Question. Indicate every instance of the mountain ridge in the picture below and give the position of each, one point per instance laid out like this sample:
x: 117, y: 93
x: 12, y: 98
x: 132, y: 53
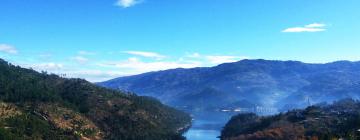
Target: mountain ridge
x: 267, y: 82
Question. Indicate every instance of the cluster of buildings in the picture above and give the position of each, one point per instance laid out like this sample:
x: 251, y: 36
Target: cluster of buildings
x: 255, y: 109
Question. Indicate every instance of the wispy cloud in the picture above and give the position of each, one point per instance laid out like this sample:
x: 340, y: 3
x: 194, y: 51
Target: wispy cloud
x: 127, y: 3
x: 218, y: 59
x: 213, y: 59
x: 314, y: 27
x: 136, y: 66
x: 69, y: 71
x: 51, y: 66
x: 93, y: 75
x: 145, y: 54
x: 8, y: 49
x: 138, y: 62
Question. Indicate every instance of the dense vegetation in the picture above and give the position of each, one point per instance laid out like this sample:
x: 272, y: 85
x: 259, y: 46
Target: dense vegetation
x: 45, y: 106
x: 340, y: 120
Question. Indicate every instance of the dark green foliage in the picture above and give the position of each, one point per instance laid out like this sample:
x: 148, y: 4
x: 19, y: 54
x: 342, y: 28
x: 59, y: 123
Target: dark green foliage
x: 339, y: 120
x: 26, y: 127
x: 163, y: 123
x: 118, y: 115
x: 247, y: 124
x: 246, y: 121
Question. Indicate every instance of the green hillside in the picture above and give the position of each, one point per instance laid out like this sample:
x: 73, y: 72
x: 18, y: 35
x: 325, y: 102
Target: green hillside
x: 45, y: 106
x: 340, y: 120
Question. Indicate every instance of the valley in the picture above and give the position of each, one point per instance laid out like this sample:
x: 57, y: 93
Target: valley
x: 77, y: 109
x: 179, y: 70
x: 213, y: 95
x: 274, y: 85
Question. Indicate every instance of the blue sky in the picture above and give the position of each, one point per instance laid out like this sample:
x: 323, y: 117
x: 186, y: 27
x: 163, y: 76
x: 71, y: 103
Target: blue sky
x: 103, y: 39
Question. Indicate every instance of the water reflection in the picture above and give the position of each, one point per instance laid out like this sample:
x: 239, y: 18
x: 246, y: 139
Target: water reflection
x: 207, y: 125
x: 196, y: 134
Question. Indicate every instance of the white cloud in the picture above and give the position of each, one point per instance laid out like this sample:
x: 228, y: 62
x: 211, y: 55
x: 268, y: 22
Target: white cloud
x: 211, y: 60
x: 218, y: 59
x: 146, y: 54
x: 127, y: 3
x: 93, y: 75
x: 80, y: 59
x: 314, y: 27
x: 8, y: 49
x: 303, y: 29
x: 101, y: 70
x: 136, y: 66
x: 47, y: 66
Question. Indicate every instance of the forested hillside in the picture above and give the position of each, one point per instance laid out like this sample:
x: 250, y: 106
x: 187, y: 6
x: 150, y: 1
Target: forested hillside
x: 45, y: 106
x: 340, y: 120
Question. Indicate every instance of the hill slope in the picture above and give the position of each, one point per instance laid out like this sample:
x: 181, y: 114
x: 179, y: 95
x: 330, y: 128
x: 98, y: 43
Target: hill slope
x: 340, y: 120
x: 40, y: 106
x: 256, y: 82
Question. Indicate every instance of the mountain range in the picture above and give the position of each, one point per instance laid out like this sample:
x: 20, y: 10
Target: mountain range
x: 282, y: 85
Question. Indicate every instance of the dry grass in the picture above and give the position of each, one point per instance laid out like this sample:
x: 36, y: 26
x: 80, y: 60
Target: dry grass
x: 8, y: 110
x: 70, y: 120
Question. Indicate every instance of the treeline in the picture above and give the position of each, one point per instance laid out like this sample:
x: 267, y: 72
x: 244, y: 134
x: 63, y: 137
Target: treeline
x: 117, y: 115
x: 341, y: 120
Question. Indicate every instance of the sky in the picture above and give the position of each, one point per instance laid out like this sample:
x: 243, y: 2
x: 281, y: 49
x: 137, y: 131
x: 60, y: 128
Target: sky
x: 102, y: 39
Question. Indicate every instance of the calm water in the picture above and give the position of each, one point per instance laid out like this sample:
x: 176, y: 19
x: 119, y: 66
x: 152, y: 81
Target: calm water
x: 207, y: 126
x: 198, y: 134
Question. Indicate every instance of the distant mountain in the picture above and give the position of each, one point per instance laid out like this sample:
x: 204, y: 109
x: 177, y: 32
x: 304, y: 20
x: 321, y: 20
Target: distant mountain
x: 41, y: 106
x: 340, y: 120
x: 247, y: 83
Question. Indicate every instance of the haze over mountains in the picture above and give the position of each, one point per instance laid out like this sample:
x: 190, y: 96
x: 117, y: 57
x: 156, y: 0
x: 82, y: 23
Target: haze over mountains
x: 281, y: 85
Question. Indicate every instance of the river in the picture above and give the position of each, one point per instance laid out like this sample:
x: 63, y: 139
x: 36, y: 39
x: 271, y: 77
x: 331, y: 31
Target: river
x: 201, y: 133
x: 207, y: 125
